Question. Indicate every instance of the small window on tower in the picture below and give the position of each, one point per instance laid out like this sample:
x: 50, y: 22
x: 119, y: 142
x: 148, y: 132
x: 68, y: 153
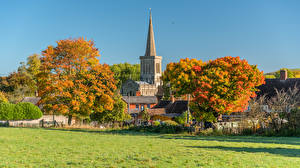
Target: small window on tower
x: 157, y: 68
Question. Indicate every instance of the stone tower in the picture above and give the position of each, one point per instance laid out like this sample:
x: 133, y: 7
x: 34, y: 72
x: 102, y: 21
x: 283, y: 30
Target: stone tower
x: 150, y: 62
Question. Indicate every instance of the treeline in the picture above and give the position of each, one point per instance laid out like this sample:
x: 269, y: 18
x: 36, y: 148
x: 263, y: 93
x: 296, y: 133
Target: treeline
x: 71, y: 81
x: 292, y: 73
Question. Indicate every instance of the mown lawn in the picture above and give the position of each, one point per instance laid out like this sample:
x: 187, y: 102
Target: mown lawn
x: 25, y: 147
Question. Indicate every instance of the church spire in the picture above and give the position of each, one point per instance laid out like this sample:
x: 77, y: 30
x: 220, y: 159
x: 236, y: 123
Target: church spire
x: 150, y: 48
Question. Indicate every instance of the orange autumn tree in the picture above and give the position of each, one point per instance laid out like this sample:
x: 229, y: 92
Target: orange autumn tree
x: 180, y: 75
x: 73, y: 82
x: 221, y: 86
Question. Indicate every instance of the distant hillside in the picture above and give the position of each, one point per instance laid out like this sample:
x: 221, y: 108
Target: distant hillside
x: 296, y: 72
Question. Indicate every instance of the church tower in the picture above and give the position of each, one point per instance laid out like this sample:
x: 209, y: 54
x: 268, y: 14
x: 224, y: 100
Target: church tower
x: 150, y: 62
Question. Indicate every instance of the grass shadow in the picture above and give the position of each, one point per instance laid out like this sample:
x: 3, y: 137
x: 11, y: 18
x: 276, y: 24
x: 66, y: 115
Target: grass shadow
x: 112, y: 131
x: 249, y: 139
x: 276, y: 151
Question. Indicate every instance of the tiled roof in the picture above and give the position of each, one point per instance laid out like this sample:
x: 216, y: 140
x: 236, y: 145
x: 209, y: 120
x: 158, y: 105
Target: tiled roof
x: 268, y: 89
x: 33, y: 100
x: 178, y: 106
x: 162, y: 104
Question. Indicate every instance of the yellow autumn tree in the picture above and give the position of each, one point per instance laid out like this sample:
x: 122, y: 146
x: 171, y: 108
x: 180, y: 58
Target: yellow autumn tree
x: 73, y: 82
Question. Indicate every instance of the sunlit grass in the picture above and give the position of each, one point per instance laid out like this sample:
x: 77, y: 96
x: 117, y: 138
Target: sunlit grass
x: 25, y: 147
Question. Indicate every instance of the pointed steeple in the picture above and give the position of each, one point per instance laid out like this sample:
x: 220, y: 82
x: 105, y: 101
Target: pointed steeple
x: 150, y: 48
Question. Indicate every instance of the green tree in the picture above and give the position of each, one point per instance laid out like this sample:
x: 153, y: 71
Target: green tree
x: 33, y: 69
x: 125, y: 71
x: 182, y: 119
x: 117, y: 114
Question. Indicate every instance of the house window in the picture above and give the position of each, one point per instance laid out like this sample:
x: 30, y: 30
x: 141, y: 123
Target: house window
x: 142, y: 107
x: 137, y: 106
x: 148, y: 105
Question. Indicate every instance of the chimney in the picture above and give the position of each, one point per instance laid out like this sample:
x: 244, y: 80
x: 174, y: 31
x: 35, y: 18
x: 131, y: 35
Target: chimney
x: 283, y: 74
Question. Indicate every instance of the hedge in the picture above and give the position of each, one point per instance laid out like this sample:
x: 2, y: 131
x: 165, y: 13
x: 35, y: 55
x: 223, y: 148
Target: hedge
x: 20, y: 111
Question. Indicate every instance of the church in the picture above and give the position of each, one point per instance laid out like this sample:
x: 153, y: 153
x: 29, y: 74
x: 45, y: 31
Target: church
x: 150, y: 83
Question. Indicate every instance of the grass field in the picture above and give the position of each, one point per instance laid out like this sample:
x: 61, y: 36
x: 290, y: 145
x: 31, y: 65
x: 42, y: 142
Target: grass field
x: 25, y: 147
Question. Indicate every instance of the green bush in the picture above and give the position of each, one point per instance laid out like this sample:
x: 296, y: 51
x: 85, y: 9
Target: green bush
x: 6, y: 111
x: 182, y: 119
x: 170, y: 122
x: 163, y: 128
x: 247, y: 131
x: 29, y: 110
x: 160, y: 117
x: 156, y: 123
x: 211, y: 132
x: 20, y: 111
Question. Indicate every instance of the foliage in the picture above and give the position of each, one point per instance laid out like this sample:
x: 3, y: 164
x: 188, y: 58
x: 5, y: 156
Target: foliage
x: 160, y: 117
x: 256, y: 113
x: 226, y: 85
x: 181, y: 75
x: 145, y: 115
x: 23, y: 82
x: 123, y: 72
x: 20, y: 111
x: 284, y: 107
x: 170, y: 122
x: 211, y: 132
x: 217, y: 87
x: 274, y: 116
x: 270, y: 76
x: 156, y: 123
x: 117, y: 114
x: 199, y: 115
x: 33, y: 68
x: 3, y: 98
x: 73, y: 82
x: 7, y: 111
x: 30, y: 110
x: 182, y: 119
x: 170, y: 128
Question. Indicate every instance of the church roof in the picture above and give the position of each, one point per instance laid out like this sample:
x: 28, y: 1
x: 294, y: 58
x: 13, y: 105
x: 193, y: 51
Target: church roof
x: 150, y: 48
x: 140, y: 99
x: 141, y: 82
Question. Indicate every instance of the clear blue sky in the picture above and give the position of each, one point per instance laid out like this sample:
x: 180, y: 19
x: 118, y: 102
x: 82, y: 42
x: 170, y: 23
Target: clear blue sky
x: 265, y: 32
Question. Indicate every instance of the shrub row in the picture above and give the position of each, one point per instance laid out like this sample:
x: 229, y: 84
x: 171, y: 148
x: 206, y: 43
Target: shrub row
x: 163, y: 128
x: 20, y: 111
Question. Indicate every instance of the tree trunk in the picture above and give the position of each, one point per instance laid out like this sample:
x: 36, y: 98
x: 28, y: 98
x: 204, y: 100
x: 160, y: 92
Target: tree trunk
x: 70, y: 120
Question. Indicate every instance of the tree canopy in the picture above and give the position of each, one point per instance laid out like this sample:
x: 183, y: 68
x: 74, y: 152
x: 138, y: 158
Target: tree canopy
x: 73, y: 82
x: 117, y: 114
x: 23, y: 82
x: 125, y: 71
x: 219, y: 86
